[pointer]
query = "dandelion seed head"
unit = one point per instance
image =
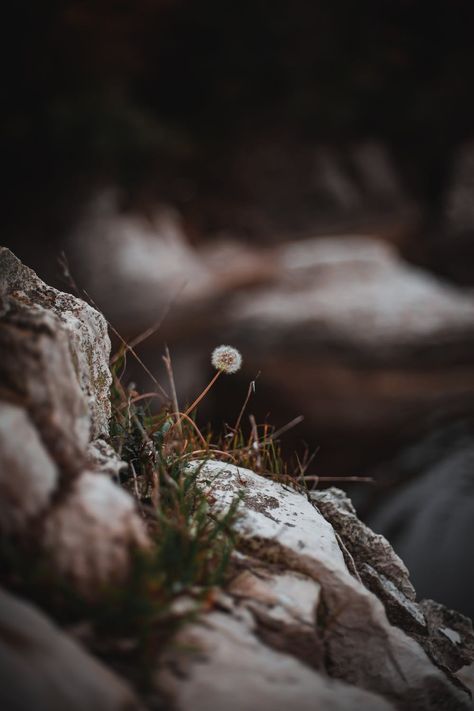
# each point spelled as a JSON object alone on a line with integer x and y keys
{"x": 227, "y": 359}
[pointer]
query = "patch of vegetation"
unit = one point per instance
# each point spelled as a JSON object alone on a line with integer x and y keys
{"x": 191, "y": 552}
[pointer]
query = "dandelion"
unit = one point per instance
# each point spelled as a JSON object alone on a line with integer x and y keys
{"x": 226, "y": 359}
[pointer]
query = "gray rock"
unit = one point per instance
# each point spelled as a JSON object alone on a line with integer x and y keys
{"x": 222, "y": 664}
{"x": 280, "y": 527}
{"x": 55, "y": 379}
{"x": 28, "y": 477}
{"x": 42, "y": 668}
{"x": 383, "y": 572}
{"x": 365, "y": 546}
{"x": 84, "y": 327}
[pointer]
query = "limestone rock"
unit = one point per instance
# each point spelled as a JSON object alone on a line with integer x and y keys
{"x": 42, "y": 668}
{"x": 281, "y": 527}
{"x": 85, "y": 328}
{"x": 363, "y": 544}
{"x": 57, "y": 496}
{"x": 382, "y": 572}
{"x": 104, "y": 459}
{"x": 226, "y": 666}
{"x": 363, "y": 344}
{"x": 28, "y": 477}
{"x": 90, "y": 535}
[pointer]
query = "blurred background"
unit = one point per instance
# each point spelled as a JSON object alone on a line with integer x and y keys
{"x": 296, "y": 179}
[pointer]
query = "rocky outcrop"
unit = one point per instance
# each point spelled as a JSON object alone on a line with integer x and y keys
{"x": 446, "y": 636}
{"x": 54, "y": 404}
{"x": 295, "y": 593}
{"x": 226, "y": 665}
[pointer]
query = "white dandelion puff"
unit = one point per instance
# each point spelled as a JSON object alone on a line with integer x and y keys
{"x": 226, "y": 359}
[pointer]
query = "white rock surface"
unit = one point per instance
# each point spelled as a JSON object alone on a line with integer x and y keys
{"x": 281, "y": 527}
{"x": 41, "y": 668}
{"x": 84, "y": 327}
{"x": 227, "y": 667}
{"x": 286, "y": 597}
{"x": 54, "y": 368}
{"x": 28, "y": 477}
{"x": 330, "y": 284}
{"x": 89, "y": 536}
{"x": 147, "y": 258}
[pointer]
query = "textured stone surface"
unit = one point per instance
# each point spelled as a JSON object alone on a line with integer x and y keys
{"x": 282, "y": 528}
{"x": 28, "y": 477}
{"x": 41, "y": 668}
{"x": 57, "y": 496}
{"x": 223, "y": 665}
{"x": 85, "y": 329}
{"x": 382, "y": 572}
{"x": 363, "y": 544}
{"x": 104, "y": 459}
{"x": 89, "y": 536}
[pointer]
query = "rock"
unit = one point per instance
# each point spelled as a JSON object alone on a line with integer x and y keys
{"x": 70, "y": 319}
{"x": 42, "y": 668}
{"x": 280, "y": 527}
{"x": 451, "y": 633}
{"x": 283, "y": 605}
{"x": 28, "y": 477}
{"x": 451, "y": 251}
{"x": 365, "y": 546}
{"x": 383, "y": 572}
{"x": 149, "y": 259}
{"x": 104, "y": 459}
{"x": 90, "y": 535}
{"x": 330, "y": 284}
{"x": 54, "y": 399}
{"x": 223, "y": 665}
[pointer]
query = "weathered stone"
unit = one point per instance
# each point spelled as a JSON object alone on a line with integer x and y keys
{"x": 42, "y": 668}
{"x": 363, "y": 544}
{"x": 329, "y": 284}
{"x": 55, "y": 381}
{"x": 28, "y": 477}
{"x": 105, "y": 460}
{"x": 89, "y": 536}
{"x": 280, "y": 526}
{"x": 85, "y": 329}
{"x": 451, "y": 635}
{"x": 382, "y": 572}
{"x": 222, "y": 664}
{"x": 284, "y": 605}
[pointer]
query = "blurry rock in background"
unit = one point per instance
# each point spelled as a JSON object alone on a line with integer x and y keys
{"x": 426, "y": 510}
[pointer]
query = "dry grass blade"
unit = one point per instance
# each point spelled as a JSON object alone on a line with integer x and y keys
{"x": 174, "y": 397}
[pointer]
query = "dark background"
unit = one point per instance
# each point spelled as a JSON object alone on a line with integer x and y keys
{"x": 162, "y": 98}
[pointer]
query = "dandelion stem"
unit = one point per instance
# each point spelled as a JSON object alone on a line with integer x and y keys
{"x": 203, "y": 394}
{"x": 174, "y": 397}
